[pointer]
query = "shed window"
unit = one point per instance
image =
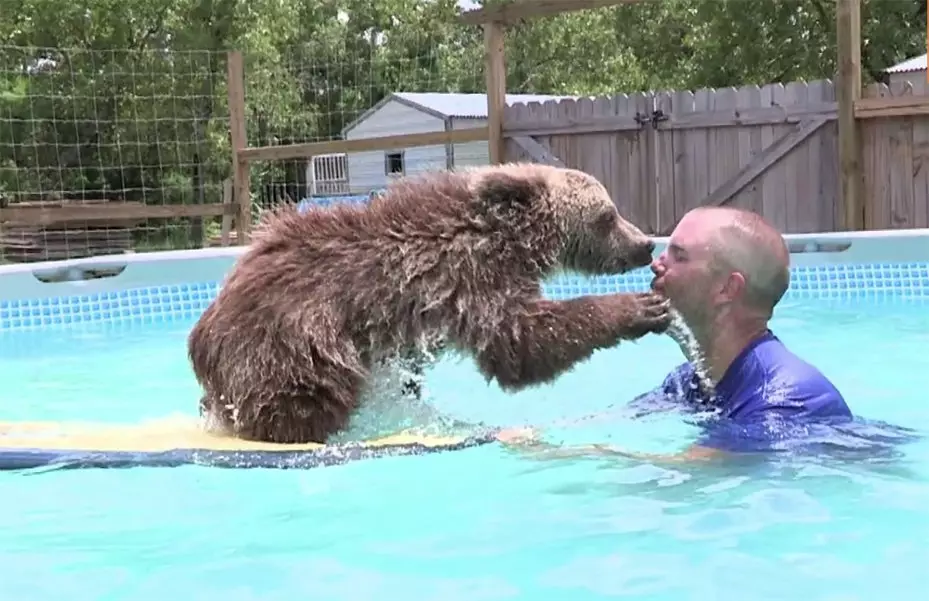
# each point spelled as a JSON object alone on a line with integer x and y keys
{"x": 393, "y": 163}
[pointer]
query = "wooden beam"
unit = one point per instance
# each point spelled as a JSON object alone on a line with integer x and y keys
{"x": 495, "y": 75}
{"x": 569, "y": 125}
{"x": 226, "y": 226}
{"x": 44, "y": 216}
{"x": 901, "y": 106}
{"x": 241, "y": 179}
{"x": 761, "y": 163}
{"x": 538, "y": 152}
{"x": 397, "y": 142}
{"x": 774, "y": 115}
{"x": 848, "y": 92}
{"x": 584, "y": 124}
{"x": 508, "y": 12}
{"x": 764, "y": 161}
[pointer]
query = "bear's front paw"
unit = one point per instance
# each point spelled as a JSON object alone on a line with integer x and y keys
{"x": 643, "y": 313}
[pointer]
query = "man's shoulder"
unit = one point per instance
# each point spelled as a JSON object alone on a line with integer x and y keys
{"x": 778, "y": 379}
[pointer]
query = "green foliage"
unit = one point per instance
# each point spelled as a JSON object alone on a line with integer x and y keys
{"x": 127, "y": 98}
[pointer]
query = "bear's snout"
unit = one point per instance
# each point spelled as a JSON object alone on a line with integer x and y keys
{"x": 640, "y": 253}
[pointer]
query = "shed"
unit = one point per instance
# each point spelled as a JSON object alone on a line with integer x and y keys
{"x": 412, "y": 113}
{"x": 911, "y": 70}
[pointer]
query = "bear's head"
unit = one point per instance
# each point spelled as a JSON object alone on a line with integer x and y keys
{"x": 570, "y": 209}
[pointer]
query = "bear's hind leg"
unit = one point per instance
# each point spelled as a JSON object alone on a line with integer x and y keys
{"x": 216, "y": 414}
{"x": 300, "y": 414}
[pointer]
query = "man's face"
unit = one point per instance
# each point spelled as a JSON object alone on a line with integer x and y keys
{"x": 684, "y": 270}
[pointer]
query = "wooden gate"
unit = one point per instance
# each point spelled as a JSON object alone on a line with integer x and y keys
{"x": 773, "y": 150}
{"x": 602, "y": 136}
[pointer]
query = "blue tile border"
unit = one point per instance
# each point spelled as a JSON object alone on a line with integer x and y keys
{"x": 149, "y": 305}
{"x": 868, "y": 282}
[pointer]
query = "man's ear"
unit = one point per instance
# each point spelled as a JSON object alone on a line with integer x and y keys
{"x": 734, "y": 286}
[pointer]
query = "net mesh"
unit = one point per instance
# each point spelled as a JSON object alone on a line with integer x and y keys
{"x": 97, "y": 141}
{"x": 350, "y": 82}
{"x": 115, "y": 150}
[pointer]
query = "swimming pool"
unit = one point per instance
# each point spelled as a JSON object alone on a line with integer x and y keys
{"x": 481, "y": 523}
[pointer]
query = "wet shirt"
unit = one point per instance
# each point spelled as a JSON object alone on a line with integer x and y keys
{"x": 767, "y": 394}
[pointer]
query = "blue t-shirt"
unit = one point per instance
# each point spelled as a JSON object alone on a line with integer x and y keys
{"x": 768, "y": 394}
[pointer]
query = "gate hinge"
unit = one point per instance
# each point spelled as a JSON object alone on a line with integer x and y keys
{"x": 654, "y": 118}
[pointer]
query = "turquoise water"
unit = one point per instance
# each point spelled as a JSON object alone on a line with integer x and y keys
{"x": 482, "y": 523}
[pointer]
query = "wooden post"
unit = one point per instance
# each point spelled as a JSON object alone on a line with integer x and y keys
{"x": 228, "y": 198}
{"x": 495, "y": 74}
{"x": 241, "y": 184}
{"x": 848, "y": 91}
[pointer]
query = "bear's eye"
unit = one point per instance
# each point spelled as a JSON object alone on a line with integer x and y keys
{"x": 607, "y": 219}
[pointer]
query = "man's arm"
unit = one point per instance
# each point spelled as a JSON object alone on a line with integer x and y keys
{"x": 526, "y": 440}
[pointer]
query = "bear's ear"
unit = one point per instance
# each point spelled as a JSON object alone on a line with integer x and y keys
{"x": 509, "y": 191}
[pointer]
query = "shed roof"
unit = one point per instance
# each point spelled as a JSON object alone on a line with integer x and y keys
{"x": 917, "y": 63}
{"x": 445, "y": 105}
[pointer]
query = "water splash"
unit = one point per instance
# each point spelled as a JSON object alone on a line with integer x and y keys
{"x": 681, "y": 333}
{"x": 397, "y": 399}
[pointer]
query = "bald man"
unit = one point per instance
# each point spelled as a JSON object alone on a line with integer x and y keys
{"x": 725, "y": 270}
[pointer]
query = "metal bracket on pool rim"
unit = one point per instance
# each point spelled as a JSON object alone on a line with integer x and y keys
{"x": 78, "y": 273}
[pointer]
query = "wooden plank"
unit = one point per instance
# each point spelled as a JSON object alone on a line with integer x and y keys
{"x": 900, "y": 198}
{"x": 749, "y": 145}
{"x": 598, "y": 154}
{"x": 240, "y": 169}
{"x": 44, "y": 216}
{"x": 921, "y": 172}
{"x": 624, "y": 165}
{"x": 570, "y": 124}
{"x": 816, "y": 213}
{"x": 22, "y": 237}
{"x": 775, "y": 195}
{"x": 764, "y": 161}
{"x": 681, "y": 166}
{"x": 495, "y": 75}
{"x": 848, "y": 91}
{"x": 642, "y": 166}
{"x": 723, "y": 143}
{"x": 799, "y": 193}
{"x": 226, "y": 225}
{"x": 27, "y": 244}
{"x": 396, "y": 142}
{"x": 904, "y": 106}
{"x": 664, "y": 166}
{"x": 508, "y": 12}
{"x": 538, "y": 152}
{"x": 736, "y": 117}
{"x": 740, "y": 117}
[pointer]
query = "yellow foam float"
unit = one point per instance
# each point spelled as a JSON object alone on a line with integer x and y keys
{"x": 174, "y": 442}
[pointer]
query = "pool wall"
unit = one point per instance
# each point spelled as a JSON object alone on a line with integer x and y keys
{"x": 158, "y": 287}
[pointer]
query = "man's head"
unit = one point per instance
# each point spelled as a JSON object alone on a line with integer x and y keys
{"x": 723, "y": 261}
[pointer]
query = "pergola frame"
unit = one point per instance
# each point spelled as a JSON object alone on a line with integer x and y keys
{"x": 497, "y": 17}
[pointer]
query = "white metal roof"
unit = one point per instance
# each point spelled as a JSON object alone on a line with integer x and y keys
{"x": 467, "y": 105}
{"x": 917, "y": 63}
{"x": 450, "y": 105}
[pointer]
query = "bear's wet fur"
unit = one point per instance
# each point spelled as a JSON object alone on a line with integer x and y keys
{"x": 284, "y": 350}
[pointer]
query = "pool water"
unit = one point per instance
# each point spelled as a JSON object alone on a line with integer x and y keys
{"x": 483, "y": 523}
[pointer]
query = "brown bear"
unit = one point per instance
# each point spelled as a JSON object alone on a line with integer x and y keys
{"x": 459, "y": 257}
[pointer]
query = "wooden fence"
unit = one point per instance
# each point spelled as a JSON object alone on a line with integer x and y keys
{"x": 772, "y": 149}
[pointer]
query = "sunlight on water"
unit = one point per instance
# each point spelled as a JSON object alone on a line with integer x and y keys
{"x": 483, "y": 523}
